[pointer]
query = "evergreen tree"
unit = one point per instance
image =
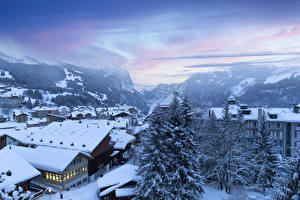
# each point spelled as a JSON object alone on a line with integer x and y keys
{"x": 186, "y": 112}
{"x": 154, "y": 161}
{"x": 286, "y": 186}
{"x": 187, "y": 180}
{"x": 265, "y": 159}
{"x": 167, "y": 162}
{"x": 174, "y": 112}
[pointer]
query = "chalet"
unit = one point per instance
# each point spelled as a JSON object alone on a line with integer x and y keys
{"x": 87, "y": 136}
{"x": 3, "y": 118}
{"x": 85, "y": 114}
{"x": 15, "y": 170}
{"x": 60, "y": 168}
{"x": 118, "y": 183}
{"x": 20, "y": 116}
{"x": 55, "y": 118}
{"x": 42, "y": 111}
{"x": 63, "y": 111}
{"x": 122, "y": 143}
{"x": 36, "y": 122}
{"x": 11, "y": 101}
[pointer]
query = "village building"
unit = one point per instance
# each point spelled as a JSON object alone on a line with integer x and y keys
{"x": 60, "y": 168}
{"x": 36, "y": 122}
{"x": 83, "y": 114}
{"x": 55, "y": 118}
{"x": 9, "y": 102}
{"x": 20, "y": 116}
{"x": 87, "y": 136}
{"x": 42, "y": 111}
{"x": 63, "y": 111}
{"x": 122, "y": 146}
{"x": 118, "y": 184}
{"x": 283, "y": 123}
{"x": 15, "y": 170}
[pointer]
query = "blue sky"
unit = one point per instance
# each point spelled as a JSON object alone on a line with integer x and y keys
{"x": 168, "y": 40}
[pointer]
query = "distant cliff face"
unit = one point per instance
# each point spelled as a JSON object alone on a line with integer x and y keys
{"x": 71, "y": 85}
{"x": 256, "y": 86}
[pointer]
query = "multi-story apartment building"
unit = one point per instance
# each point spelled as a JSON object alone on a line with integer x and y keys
{"x": 283, "y": 124}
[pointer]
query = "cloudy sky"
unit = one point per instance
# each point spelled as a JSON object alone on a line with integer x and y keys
{"x": 157, "y": 41}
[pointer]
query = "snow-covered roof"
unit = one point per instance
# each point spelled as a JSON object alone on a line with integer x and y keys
{"x": 83, "y": 112}
{"x": 43, "y": 108}
{"x": 20, "y": 169}
{"x": 46, "y": 158}
{"x": 121, "y": 139}
{"x": 36, "y": 121}
{"x": 117, "y": 178}
{"x": 283, "y": 114}
{"x": 20, "y": 112}
{"x": 121, "y": 123}
{"x": 83, "y": 135}
{"x": 63, "y": 109}
{"x": 139, "y": 129}
{"x": 12, "y": 125}
{"x": 125, "y": 192}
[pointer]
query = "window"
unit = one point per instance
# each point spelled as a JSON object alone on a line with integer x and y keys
{"x": 295, "y": 144}
{"x": 278, "y": 125}
{"x": 280, "y": 143}
{"x": 277, "y": 135}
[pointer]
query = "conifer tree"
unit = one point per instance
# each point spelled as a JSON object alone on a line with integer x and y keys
{"x": 265, "y": 159}
{"x": 286, "y": 186}
{"x": 154, "y": 161}
{"x": 186, "y": 112}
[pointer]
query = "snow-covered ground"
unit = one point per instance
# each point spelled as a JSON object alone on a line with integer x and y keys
{"x": 7, "y": 75}
{"x": 69, "y": 77}
{"x": 87, "y": 192}
{"x": 239, "y": 89}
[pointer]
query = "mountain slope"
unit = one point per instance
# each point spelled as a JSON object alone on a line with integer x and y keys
{"x": 72, "y": 85}
{"x": 256, "y": 86}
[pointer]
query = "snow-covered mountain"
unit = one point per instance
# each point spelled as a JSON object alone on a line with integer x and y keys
{"x": 253, "y": 85}
{"x": 65, "y": 84}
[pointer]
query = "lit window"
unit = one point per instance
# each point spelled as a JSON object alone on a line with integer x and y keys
{"x": 65, "y": 178}
{"x": 71, "y": 174}
{"x": 68, "y": 176}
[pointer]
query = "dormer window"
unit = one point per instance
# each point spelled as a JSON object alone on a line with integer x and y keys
{"x": 233, "y": 116}
{"x": 61, "y": 143}
{"x": 273, "y": 116}
{"x": 51, "y": 141}
{"x": 83, "y": 145}
{"x": 72, "y": 144}
{"x": 32, "y": 139}
{"x": 41, "y": 140}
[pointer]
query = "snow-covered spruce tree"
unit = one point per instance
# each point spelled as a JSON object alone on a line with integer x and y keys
{"x": 154, "y": 161}
{"x": 186, "y": 180}
{"x": 265, "y": 159}
{"x": 187, "y": 113}
{"x": 286, "y": 185}
{"x": 167, "y": 162}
